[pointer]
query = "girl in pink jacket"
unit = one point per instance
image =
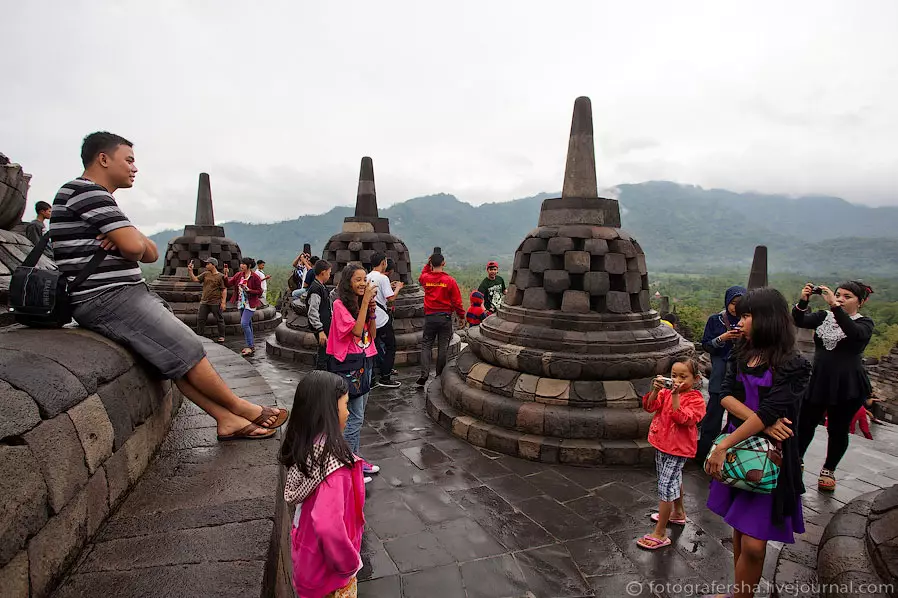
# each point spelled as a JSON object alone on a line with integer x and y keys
{"x": 325, "y": 482}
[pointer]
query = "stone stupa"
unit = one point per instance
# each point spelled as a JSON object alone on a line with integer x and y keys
{"x": 200, "y": 240}
{"x": 757, "y": 276}
{"x": 363, "y": 234}
{"x": 558, "y": 373}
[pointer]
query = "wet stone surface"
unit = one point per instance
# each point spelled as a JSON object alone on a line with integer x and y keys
{"x": 448, "y": 519}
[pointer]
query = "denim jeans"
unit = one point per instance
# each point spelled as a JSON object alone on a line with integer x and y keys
{"x": 246, "y": 322}
{"x": 356, "y": 418}
{"x": 299, "y": 293}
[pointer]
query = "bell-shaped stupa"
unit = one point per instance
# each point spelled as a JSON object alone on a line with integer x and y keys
{"x": 557, "y": 374}
{"x": 363, "y": 235}
{"x": 202, "y": 240}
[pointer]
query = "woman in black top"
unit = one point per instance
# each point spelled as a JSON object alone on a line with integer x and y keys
{"x": 839, "y": 384}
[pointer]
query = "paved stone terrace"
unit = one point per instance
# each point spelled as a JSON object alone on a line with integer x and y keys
{"x": 446, "y": 519}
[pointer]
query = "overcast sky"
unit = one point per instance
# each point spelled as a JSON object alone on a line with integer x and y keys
{"x": 278, "y": 101}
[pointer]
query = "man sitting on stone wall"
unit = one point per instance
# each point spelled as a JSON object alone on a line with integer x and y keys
{"x": 115, "y": 301}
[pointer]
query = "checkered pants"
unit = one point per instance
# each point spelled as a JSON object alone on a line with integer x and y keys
{"x": 670, "y": 475}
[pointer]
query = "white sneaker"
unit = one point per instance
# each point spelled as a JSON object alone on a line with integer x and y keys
{"x": 368, "y": 479}
{"x": 371, "y": 469}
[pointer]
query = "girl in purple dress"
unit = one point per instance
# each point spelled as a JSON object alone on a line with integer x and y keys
{"x": 765, "y": 382}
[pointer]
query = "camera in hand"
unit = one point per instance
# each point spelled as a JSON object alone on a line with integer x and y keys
{"x": 668, "y": 382}
{"x": 817, "y": 290}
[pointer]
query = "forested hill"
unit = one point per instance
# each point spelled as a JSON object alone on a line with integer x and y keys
{"x": 682, "y": 228}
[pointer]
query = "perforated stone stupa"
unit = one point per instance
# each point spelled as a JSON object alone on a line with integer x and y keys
{"x": 557, "y": 374}
{"x": 201, "y": 240}
{"x": 363, "y": 234}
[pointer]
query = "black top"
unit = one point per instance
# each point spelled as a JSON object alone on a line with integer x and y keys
{"x": 781, "y": 400}
{"x": 839, "y": 375}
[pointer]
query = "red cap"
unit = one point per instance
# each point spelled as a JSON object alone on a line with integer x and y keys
{"x": 492, "y": 264}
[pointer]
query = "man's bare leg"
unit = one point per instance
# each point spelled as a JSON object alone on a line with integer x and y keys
{"x": 203, "y": 378}
{"x": 228, "y": 423}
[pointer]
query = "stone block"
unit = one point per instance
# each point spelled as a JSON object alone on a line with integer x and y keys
{"x": 886, "y": 500}
{"x": 117, "y": 483}
{"x": 841, "y": 554}
{"x": 624, "y": 247}
{"x": 596, "y": 283}
{"x": 575, "y": 302}
{"x": 344, "y": 256}
{"x": 514, "y": 295}
{"x": 521, "y": 260}
{"x": 620, "y": 452}
{"x": 354, "y": 246}
{"x": 618, "y": 302}
{"x": 529, "y": 446}
{"x": 577, "y": 262}
{"x": 532, "y": 245}
{"x": 97, "y": 493}
{"x": 14, "y": 577}
{"x": 23, "y": 510}
{"x": 460, "y": 426}
{"x": 557, "y": 281}
{"x": 55, "y": 547}
{"x": 536, "y": 298}
{"x": 541, "y": 261}
{"x": 525, "y": 387}
{"x": 54, "y": 391}
{"x": 18, "y": 411}
{"x": 642, "y": 298}
{"x": 632, "y": 282}
{"x": 560, "y": 245}
{"x": 596, "y": 246}
{"x": 478, "y": 433}
{"x": 580, "y": 452}
{"x": 525, "y": 279}
{"x": 615, "y": 263}
{"x": 550, "y": 450}
{"x": 357, "y": 227}
{"x": 94, "y": 431}
{"x": 588, "y": 391}
{"x": 576, "y": 231}
{"x": 530, "y": 418}
{"x": 55, "y": 445}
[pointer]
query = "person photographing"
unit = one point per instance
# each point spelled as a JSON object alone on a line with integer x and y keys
{"x": 839, "y": 385}
{"x": 442, "y": 298}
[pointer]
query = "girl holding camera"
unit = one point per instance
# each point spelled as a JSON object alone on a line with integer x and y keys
{"x": 839, "y": 386}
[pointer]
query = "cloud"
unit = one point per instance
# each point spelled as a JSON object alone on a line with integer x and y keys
{"x": 279, "y": 100}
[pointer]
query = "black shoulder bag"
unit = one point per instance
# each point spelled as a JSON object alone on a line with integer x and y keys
{"x": 40, "y": 298}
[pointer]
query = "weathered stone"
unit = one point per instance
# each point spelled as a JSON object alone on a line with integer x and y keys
{"x": 55, "y": 547}
{"x": 18, "y": 411}
{"x": 94, "y": 430}
{"x": 576, "y": 231}
{"x": 615, "y": 263}
{"x": 525, "y": 279}
{"x": 622, "y": 246}
{"x": 575, "y": 302}
{"x": 541, "y": 261}
{"x": 595, "y": 246}
{"x": 55, "y": 445}
{"x": 560, "y": 245}
{"x": 97, "y": 493}
{"x": 841, "y": 554}
{"x": 580, "y": 452}
{"x": 532, "y": 245}
{"x": 23, "y": 510}
{"x": 54, "y": 391}
{"x": 14, "y": 577}
{"x": 633, "y": 282}
{"x": 536, "y": 298}
{"x": 617, "y": 302}
{"x": 596, "y": 283}
{"x": 577, "y": 262}
{"x": 357, "y": 227}
{"x": 556, "y": 281}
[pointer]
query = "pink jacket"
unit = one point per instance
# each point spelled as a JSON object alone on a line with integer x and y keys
{"x": 675, "y": 432}
{"x": 327, "y": 541}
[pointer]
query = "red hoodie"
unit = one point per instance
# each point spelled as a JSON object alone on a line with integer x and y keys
{"x": 441, "y": 294}
{"x": 675, "y": 432}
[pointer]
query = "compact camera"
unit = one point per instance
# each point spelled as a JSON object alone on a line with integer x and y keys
{"x": 817, "y": 290}
{"x": 668, "y": 382}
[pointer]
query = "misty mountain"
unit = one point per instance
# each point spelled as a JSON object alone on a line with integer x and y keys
{"x": 682, "y": 228}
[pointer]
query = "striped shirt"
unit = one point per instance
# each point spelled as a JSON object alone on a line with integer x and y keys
{"x": 81, "y": 211}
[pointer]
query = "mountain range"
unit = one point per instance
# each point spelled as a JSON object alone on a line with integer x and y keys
{"x": 682, "y": 228}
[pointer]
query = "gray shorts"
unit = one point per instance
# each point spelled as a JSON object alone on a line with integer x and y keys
{"x": 138, "y": 319}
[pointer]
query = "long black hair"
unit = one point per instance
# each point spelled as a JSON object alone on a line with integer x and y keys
{"x": 315, "y": 414}
{"x": 345, "y": 293}
{"x": 772, "y": 332}
{"x": 859, "y": 289}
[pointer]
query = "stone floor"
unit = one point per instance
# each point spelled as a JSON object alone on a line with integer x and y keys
{"x": 446, "y": 519}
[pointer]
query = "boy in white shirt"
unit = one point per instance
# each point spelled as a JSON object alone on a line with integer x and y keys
{"x": 386, "y": 338}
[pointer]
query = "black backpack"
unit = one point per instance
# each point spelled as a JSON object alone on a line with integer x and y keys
{"x": 40, "y": 298}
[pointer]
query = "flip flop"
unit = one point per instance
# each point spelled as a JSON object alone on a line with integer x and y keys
{"x": 246, "y": 433}
{"x": 247, "y": 352}
{"x": 826, "y": 482}
{"x": 281, "y": 414}
{"x": 650, "y": 543}
{"x": 671, "y": 520}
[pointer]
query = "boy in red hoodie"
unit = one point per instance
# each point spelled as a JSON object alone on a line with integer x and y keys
{"x": 441, "y": 299}
{"x": 476, "y": 313}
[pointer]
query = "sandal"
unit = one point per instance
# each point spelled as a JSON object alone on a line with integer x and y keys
{"x": 246, "y": 433}
{"x": 267, "y": 412}
{"x": 682, "y": 521}
{"x": 826, "y": 482}
{"x": 220, "y": 340}
{"x": 649, "y": 542}
{"x": 247, "y": 352}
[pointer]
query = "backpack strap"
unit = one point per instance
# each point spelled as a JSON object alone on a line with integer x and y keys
{"x": 37, "y": 252}
{"x": 89, "y": 269}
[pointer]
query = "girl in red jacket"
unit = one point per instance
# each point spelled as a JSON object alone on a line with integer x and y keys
{"x": 248, "y": 298}
{"x": 324, "y": 481}
{"x": 674, "y": 432}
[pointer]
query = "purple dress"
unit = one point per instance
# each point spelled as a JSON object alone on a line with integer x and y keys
{"x": 749, "y": 512}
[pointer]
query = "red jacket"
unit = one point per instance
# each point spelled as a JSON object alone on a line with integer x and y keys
{"x": 675, "y": 432}
{"x": 441, "y": 294}
{"x": 253, "y": 289}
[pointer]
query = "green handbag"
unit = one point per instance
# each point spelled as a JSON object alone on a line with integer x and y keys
{"x": 753, "y": 464}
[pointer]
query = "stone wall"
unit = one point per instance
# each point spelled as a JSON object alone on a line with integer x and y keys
{"x": 80, "y": 418}
{"x": 884, "y": 377}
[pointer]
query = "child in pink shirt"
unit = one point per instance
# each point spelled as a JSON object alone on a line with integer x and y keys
{"x": 324, "y": 481}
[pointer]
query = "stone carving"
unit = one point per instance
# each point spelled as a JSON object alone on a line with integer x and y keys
{"x": 362, "y": 236}
{"x": 557, "y": 373}
{"x": 201, "y": 240}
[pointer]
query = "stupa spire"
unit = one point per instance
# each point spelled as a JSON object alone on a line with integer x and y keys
{"x": 204, "y": 214}
{"x": 366, "y": 199}
{"x": 757, "y": 277}
{"x": 580, "y": 168}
